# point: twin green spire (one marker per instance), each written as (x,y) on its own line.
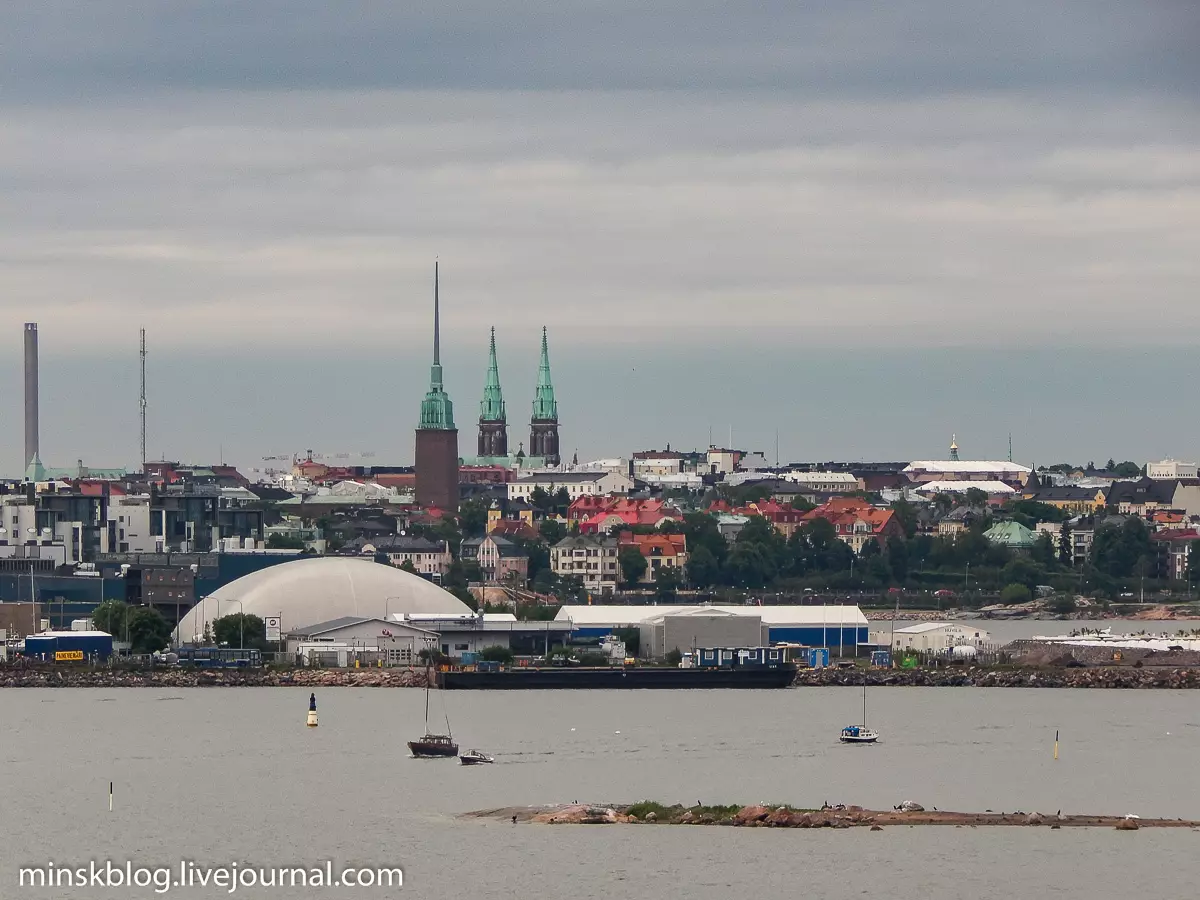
(437,411)
(544,407)
(491,408)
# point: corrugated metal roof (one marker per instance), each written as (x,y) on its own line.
(778,616)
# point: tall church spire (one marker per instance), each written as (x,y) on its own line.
(954,448)
(544,406)
(493,428)
(437,438)
(491,409)
(543,427)
(437,412)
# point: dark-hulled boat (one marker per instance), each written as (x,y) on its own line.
(432,746)
(621,677)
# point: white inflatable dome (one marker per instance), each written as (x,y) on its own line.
(309,591)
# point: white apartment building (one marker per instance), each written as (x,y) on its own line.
(594,560)
(577,484)
(1172,468)
(827,482)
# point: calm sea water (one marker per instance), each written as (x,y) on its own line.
(225,775)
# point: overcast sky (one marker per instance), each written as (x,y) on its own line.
(865,224)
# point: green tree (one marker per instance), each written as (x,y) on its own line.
(633,565)
(1063,604)
(674,657)
(472,517)
(283,542)
(906,515)
(1126,469)
(1043,552)
(237,630)
(1021,571)
(666,583)
(1066,546)
(407,566)
(561,502)
(975,497)
(1015,593)
(552,531)
(748,566)
(703,570)
(540,500)
(110,617)
(496,653)
(897,558)
(1122,550)
(148,630)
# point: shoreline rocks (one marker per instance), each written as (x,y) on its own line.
(1099,677)
(757,816)
(73,677)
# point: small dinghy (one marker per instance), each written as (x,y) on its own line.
(475,758)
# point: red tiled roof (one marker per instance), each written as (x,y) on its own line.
(665,544)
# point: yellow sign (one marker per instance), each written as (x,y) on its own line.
(68,655)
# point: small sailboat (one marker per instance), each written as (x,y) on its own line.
(475,758)
(859,734)
(433,745)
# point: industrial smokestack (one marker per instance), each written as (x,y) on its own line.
(31,392)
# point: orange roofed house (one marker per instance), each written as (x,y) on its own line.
(783,516)
(597,515)
(662,551)
(855,522)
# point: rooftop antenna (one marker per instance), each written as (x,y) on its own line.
(143,400)
(1010,446)
(777,448)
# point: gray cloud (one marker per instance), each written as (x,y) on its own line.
(674,182)
(877,47)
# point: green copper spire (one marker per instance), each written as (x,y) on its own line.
(437,412)
(544,407)
(491,409)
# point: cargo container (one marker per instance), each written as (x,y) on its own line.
(89,644)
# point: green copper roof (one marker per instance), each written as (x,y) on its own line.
(437,412)
(544,406)
(491,409)
(35,471)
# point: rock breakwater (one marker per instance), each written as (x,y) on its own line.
(1099,677)
(63,676)
(757,816)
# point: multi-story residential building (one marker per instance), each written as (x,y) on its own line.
(592,559)
(1172,468)
(856,522)
(501,560)
(827,482)
(576,484)
(427,557)
(662,551)
(597,515)
(1173,549)
(1142,496)
(655,464)
(1081,500)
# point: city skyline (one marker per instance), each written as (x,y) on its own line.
(933,218)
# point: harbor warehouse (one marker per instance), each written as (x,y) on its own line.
(669,627)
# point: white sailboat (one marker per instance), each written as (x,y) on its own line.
(859,734)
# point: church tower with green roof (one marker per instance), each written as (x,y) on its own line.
(493,419)
(437,438)
(543,426)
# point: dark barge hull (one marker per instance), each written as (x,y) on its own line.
(621,678)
